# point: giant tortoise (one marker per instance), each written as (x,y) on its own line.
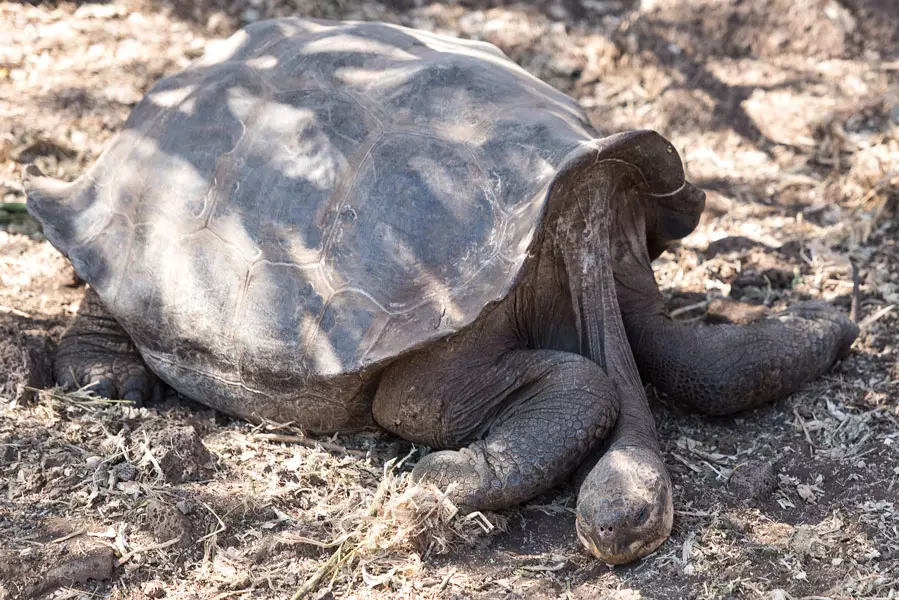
(347,224)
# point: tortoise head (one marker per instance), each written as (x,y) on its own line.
(624,508)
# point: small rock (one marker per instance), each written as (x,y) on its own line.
(92,462)
(181,455)
(125,472)
(154,588)
(167,522)
(753,481)
(101,477)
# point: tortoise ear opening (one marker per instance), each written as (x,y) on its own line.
(670,218)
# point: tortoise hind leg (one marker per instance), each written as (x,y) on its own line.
(508,427)
(97,353)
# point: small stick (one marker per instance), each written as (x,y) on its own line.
(14,311)
(148,454)
(853,306)
(690,465)
(221,526)
(311,584)
(299,539)
(445,582)
(689,308)
(161,546)
(302,441)
(74,534)
(808,437)
(870,320)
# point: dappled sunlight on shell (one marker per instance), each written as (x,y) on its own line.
(330,220)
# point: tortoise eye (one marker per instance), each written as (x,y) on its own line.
(641,516)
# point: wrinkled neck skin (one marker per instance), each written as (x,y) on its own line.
(602,231)
(569,302)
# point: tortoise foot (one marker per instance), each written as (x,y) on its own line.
(96,353)
(108,374)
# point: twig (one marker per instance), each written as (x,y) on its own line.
(74,534)
(853,306)
(221,526)
(871,319)
(72,397)
(479,518)
(14,311)
(302,441)
(299,539)
(690,465)
(544,568)
(148,454)
(311,584)
(808,437)
(136,551)
(689,308)
(445,582)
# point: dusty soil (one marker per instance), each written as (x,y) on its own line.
(786,112)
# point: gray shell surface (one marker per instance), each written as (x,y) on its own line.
(313,198)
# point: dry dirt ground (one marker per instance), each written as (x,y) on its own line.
(786,112)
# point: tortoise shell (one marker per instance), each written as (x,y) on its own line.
(312,198)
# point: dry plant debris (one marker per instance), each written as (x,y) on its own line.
(787,113)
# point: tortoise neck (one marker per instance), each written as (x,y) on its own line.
(601,224)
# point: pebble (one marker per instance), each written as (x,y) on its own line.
(753,480)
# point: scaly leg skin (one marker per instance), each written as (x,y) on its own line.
(723,369)
(96,352)
(516,424)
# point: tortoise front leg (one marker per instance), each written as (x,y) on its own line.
(726,368)
(96,352)
(508,427)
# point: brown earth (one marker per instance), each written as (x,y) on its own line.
(786,112)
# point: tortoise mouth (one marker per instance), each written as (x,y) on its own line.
(617,553)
